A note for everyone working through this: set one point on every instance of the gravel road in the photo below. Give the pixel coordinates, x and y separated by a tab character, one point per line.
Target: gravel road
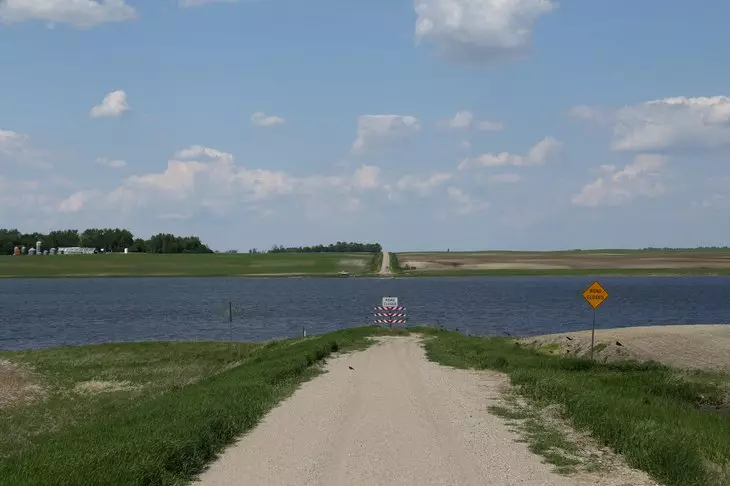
395	419
385	266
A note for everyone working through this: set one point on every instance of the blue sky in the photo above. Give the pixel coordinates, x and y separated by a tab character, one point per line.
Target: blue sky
426	124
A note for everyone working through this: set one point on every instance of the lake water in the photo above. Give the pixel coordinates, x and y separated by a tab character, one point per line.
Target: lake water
55	312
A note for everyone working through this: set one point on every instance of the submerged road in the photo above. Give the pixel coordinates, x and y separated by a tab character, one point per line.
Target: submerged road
395	418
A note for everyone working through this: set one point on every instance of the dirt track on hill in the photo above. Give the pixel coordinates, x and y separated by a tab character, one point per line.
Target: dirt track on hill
394	419
690	347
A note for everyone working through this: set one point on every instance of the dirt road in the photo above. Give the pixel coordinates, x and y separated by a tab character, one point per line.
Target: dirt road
395	419
692	347
385	266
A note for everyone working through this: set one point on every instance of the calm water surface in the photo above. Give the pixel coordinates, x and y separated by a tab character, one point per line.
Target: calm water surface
56	312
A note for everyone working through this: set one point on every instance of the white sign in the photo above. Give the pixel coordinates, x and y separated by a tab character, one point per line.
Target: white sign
390	301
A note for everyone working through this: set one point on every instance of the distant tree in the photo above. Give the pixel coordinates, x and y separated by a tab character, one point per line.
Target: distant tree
106	239
339	247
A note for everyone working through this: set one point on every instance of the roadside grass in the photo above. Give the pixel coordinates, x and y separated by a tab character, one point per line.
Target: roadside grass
180	265
395	264
654	416
376	263
184	404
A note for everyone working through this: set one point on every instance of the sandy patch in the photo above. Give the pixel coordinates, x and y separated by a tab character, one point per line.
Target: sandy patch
98	386
689	347
18	385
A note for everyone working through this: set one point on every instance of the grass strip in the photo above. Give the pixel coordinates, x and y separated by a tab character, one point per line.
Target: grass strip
395	264
168	439
649	413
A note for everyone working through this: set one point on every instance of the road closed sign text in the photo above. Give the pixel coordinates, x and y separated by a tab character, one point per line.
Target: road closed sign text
595	294
390	301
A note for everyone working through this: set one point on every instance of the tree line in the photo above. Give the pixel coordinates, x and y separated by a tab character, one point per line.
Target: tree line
106	239
339	247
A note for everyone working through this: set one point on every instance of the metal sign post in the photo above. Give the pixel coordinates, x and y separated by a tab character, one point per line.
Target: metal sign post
595	295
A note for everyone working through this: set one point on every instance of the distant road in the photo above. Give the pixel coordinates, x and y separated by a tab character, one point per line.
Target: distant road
385	266
388	416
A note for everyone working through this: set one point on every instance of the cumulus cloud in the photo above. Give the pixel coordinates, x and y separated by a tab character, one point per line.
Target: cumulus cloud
466	203
205	178
261	119
465	120
641	178
82	14
537	155
114	104
422	185
111	163
12	143
375	131
17	149
670	124
479	30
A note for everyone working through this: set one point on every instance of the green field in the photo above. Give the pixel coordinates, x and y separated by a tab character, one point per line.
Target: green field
144	413
198	265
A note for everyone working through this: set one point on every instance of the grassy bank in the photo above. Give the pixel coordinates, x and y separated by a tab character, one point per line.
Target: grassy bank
147	413
180	265
652	415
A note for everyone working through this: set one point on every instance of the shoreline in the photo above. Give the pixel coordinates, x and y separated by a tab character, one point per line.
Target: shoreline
590	273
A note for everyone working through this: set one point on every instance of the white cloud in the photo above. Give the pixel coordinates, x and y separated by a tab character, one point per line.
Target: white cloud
114	104
261	119
465	144
466	204
537	155
479	30
18	149
465	120
422	185
12	143
199	177
638	179
111	163
82	14
77	201
367	177
670	124
379	130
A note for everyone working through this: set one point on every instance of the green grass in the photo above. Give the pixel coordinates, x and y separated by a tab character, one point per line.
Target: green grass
647	412
376	262
394	264
186	402
150	265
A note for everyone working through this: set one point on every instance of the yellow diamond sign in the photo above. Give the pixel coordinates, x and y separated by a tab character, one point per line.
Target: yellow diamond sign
595	294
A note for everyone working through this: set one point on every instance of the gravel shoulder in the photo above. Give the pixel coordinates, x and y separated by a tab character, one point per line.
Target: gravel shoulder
394	418
705	347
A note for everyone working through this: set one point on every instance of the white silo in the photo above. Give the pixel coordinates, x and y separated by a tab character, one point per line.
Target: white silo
38	245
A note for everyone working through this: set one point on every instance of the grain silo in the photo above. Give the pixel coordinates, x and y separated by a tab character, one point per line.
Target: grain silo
38	245
16	250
